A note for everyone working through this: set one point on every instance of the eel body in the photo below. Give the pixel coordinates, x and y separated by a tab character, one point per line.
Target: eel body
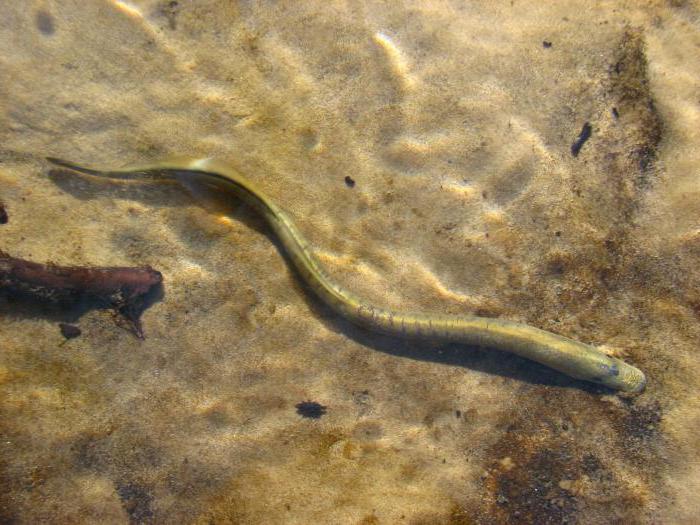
570	357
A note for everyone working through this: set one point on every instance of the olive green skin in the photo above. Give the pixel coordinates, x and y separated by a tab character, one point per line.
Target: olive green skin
570	357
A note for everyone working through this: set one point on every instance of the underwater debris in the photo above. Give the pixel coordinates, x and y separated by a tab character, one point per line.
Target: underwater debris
349	181
581	140
122	288
310	409
3	214
546	44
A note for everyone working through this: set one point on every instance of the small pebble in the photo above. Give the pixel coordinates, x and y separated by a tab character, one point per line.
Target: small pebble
69	331
310	409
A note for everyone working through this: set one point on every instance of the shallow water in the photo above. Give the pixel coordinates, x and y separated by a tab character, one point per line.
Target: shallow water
251	402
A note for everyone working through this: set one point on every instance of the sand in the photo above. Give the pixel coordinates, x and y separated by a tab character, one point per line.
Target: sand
455	121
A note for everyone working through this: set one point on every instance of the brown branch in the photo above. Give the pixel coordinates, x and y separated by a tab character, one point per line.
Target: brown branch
122	288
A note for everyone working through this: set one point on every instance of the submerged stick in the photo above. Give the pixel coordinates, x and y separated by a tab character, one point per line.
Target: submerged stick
122	288
573	358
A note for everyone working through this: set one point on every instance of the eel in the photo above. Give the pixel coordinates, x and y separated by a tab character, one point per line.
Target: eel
573	358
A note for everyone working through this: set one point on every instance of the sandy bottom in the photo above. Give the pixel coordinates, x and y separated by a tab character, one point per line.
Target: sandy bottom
455	122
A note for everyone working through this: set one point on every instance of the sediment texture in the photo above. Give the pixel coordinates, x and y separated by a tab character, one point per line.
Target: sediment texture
455	124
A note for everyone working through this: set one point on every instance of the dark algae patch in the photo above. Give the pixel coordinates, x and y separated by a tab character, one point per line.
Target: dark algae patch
613	190
310	409
634	104
643	420
571	466
136	501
